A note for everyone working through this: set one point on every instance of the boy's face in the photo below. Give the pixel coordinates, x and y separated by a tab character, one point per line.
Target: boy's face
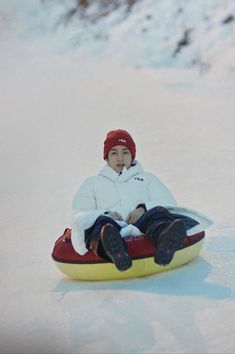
118	157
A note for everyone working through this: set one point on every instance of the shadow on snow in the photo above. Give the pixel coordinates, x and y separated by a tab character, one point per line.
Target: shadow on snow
188	280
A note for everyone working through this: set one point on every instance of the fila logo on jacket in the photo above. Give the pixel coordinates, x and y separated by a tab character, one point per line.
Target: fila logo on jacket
139	179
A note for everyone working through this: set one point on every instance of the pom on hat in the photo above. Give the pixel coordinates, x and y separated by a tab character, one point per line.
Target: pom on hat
119	137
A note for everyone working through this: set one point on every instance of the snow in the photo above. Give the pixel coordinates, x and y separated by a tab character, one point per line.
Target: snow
55	111
146	36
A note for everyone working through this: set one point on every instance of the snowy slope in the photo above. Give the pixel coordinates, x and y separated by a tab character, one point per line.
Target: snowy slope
163	33
54	113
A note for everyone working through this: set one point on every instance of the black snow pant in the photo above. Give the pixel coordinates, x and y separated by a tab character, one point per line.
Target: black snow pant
157	215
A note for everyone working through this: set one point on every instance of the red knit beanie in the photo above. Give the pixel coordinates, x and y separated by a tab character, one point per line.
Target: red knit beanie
119	137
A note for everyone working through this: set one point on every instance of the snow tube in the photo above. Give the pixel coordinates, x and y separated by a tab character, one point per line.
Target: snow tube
92	267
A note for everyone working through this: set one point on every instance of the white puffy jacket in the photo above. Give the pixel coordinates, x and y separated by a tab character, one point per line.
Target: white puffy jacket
110	191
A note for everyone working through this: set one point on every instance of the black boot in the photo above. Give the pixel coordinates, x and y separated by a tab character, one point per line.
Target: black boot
167	237
155	230
114	247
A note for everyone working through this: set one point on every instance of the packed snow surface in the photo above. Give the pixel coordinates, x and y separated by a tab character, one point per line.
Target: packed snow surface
54	113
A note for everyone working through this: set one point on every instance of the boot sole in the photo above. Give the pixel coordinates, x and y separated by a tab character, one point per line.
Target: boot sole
173	240
115	248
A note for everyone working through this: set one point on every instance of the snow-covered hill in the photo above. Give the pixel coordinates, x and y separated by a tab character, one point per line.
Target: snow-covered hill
163	33
55	110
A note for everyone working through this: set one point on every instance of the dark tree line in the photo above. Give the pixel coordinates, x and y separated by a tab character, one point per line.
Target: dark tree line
104	8
86	3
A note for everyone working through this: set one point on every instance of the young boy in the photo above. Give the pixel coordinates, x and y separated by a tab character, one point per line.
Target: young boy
125	200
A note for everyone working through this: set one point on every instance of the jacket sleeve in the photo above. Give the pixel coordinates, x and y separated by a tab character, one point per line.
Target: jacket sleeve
85	201
84	214
85	198
159	194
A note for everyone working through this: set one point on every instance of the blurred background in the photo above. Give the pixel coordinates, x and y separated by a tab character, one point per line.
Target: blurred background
69	72
140	33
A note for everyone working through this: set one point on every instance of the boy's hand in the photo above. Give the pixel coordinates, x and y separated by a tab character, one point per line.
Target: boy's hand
114	214
135	215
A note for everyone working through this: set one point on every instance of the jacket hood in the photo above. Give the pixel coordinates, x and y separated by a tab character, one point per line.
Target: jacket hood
124	176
